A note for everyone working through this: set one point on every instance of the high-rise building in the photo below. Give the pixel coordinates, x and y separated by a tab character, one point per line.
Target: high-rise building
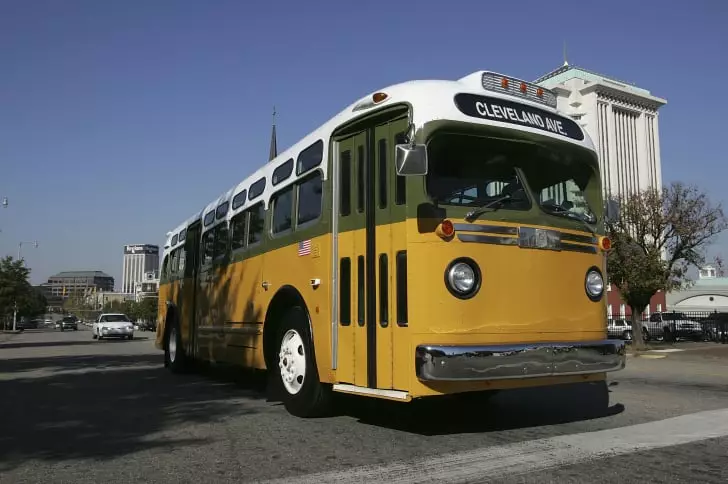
138	260
621	120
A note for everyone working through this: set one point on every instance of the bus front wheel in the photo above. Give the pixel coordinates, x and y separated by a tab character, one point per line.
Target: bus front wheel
302	392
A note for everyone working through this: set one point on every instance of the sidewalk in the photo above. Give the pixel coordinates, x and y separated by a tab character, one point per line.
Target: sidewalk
686	350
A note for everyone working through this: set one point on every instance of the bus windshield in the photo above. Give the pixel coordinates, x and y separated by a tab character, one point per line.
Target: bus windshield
474	172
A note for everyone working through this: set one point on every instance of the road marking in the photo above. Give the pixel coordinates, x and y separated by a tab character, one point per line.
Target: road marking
669	350
493	463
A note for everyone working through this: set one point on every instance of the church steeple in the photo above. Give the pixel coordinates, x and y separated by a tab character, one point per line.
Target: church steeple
273	143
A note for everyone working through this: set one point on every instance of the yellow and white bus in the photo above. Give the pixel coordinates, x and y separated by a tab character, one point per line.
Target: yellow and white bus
434	237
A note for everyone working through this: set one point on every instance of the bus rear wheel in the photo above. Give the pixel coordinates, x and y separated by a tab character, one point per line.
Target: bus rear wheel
174	355
302	392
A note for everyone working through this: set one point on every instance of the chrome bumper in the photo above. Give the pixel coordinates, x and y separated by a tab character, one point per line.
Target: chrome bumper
529	360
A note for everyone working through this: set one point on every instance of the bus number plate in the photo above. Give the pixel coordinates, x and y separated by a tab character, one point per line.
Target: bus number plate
530	238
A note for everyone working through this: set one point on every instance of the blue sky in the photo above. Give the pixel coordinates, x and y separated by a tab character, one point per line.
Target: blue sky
120	119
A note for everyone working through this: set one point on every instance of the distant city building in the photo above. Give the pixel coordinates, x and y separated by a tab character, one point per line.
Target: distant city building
621	120
149	287
54	302
65	284
138	260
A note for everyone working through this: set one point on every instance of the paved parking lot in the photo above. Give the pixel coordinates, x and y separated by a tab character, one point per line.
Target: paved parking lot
82	411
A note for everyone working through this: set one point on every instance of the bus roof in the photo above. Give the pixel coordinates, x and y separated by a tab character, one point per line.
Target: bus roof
430	100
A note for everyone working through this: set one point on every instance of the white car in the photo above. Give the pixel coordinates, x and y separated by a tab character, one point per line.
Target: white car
113	325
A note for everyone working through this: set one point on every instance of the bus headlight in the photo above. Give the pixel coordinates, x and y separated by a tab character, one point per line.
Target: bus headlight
594	284
462	278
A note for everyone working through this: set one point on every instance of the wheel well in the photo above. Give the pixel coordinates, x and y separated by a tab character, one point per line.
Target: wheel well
285	298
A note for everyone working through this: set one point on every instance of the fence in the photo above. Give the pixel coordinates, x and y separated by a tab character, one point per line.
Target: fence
672	326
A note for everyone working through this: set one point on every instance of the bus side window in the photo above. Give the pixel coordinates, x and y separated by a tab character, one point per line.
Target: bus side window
237	231
165	268
175	261
309	198
256	224
221	241
182	260
208	246
282	210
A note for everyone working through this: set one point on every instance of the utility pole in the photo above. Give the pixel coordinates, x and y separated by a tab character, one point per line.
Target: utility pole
15	302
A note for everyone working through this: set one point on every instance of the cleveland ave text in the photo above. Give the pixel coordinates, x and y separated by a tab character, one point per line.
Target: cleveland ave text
516	113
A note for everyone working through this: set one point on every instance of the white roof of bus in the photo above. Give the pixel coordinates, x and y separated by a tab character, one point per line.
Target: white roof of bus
432	99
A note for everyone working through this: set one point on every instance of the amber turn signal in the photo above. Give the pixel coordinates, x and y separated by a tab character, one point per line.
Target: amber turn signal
605	243
446	229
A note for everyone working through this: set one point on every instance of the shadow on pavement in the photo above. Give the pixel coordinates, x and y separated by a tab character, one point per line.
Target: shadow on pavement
41	344
476	413
106	414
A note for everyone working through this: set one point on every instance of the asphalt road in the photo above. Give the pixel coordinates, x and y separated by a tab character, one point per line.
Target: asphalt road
76	410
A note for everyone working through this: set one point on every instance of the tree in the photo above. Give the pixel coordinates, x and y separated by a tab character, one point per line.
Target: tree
719	269
656	238
15	289
147	309
33	304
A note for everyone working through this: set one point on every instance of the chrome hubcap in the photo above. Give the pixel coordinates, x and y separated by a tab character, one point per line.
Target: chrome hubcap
292	361
172	344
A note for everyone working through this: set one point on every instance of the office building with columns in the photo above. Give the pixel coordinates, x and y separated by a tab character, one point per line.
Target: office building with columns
622	121
139	259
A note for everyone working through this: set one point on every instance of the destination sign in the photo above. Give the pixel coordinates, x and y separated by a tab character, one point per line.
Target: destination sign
496	109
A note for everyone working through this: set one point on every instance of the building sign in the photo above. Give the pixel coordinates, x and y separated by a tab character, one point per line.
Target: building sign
505	111
141	249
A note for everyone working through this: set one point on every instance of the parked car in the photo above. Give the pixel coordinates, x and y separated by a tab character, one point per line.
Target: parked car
113	325
716	327
622	329
675	325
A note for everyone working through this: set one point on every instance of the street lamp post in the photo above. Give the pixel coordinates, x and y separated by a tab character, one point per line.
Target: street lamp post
15	303
5	204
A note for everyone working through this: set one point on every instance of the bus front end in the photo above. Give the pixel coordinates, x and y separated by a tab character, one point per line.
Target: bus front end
506	251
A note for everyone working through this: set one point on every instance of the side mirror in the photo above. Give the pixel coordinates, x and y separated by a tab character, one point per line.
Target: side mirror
611	211
411	160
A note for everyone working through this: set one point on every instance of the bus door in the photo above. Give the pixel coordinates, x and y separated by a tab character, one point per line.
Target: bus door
203	298
366	256
188	291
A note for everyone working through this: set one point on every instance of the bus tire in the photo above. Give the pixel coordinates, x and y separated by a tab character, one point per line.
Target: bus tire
302	392
174	354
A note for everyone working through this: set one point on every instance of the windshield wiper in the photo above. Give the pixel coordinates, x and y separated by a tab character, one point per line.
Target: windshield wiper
470	216
560	211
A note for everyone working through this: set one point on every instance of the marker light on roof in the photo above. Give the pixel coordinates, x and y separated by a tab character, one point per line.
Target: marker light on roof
377	98
494	82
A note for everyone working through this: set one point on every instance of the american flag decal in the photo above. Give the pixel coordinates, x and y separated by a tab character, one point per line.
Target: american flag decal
304	247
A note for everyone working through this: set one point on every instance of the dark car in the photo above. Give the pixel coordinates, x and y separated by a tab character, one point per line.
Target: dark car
69	323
